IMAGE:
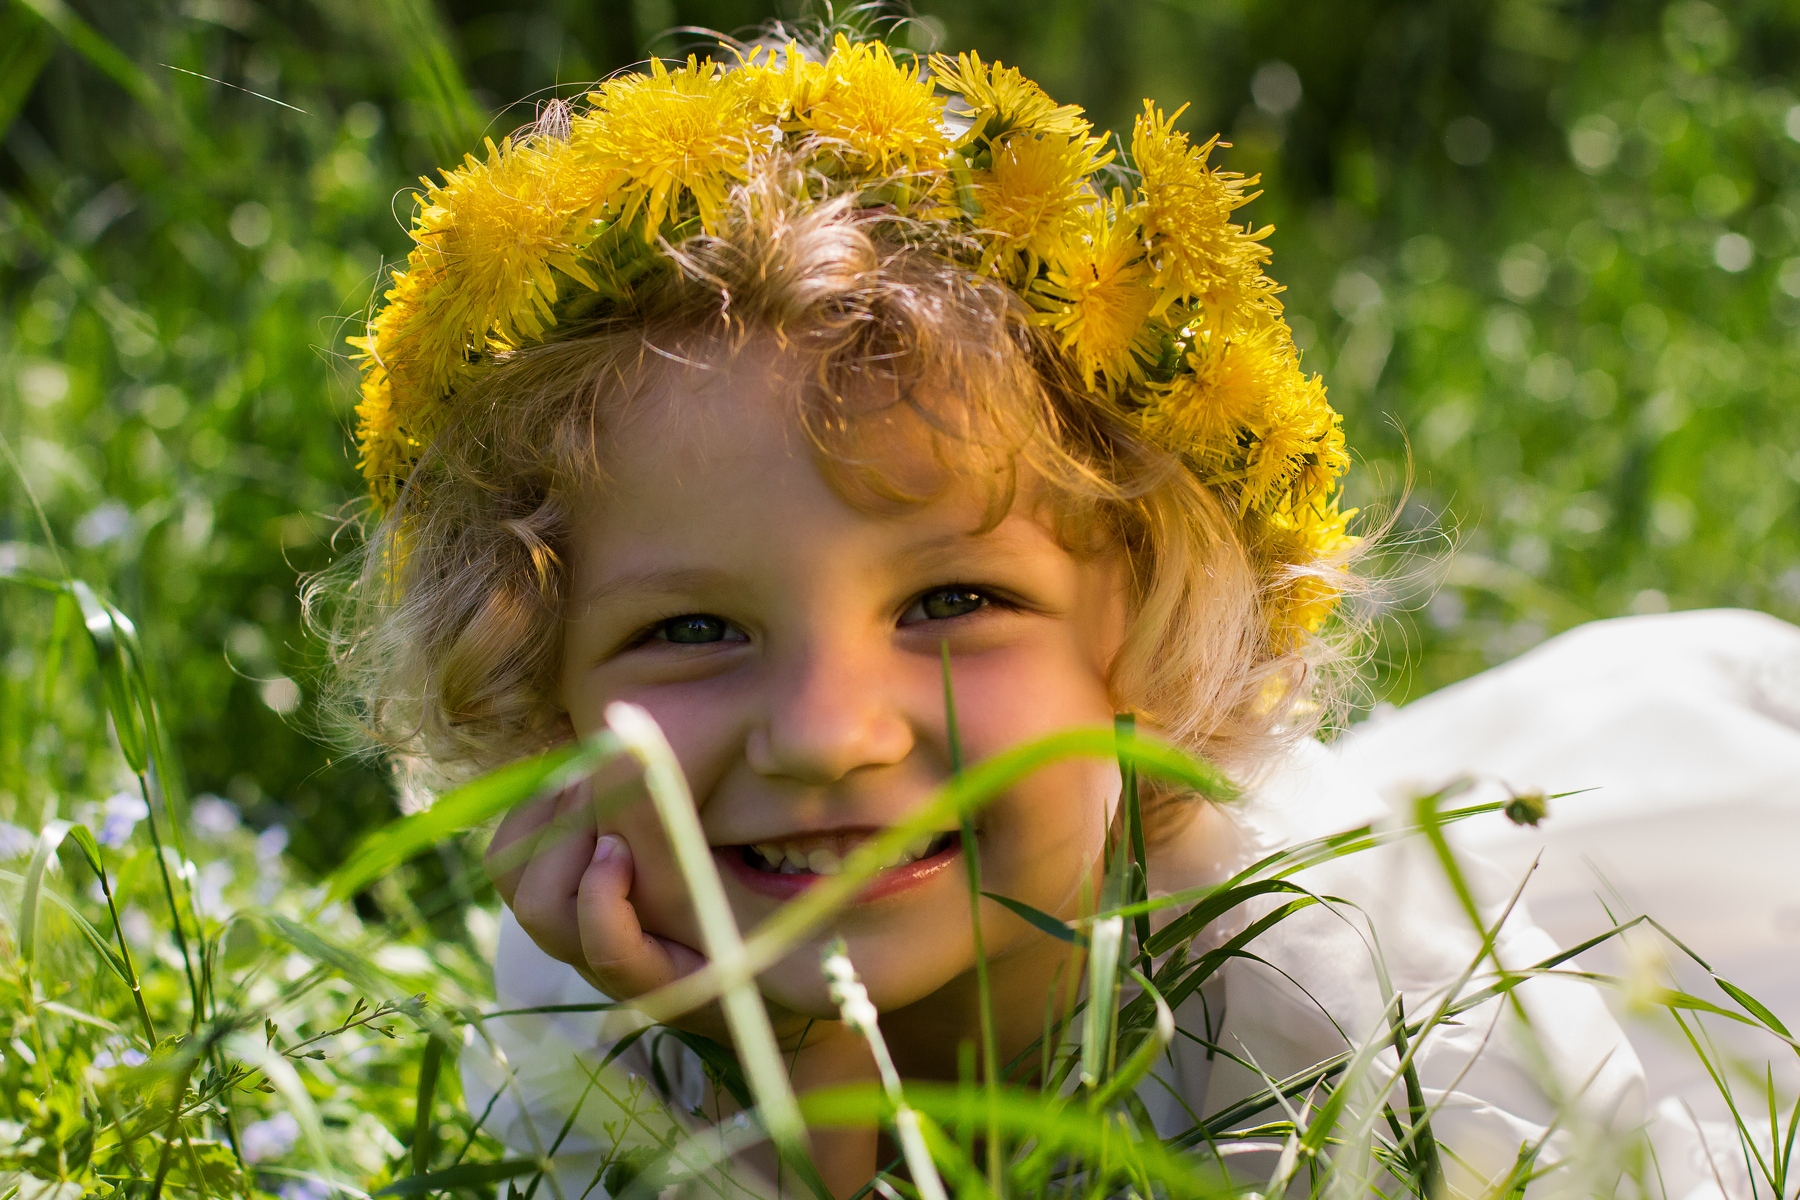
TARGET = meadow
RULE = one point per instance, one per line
(1547, 257)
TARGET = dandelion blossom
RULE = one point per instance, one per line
(1201, 254)
(1035, 187)
(882, 117)
(669, 134)
(1003, 100)
(1096, 297)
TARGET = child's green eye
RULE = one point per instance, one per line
(941, 604)
(693, 629)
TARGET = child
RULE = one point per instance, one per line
(750, 395)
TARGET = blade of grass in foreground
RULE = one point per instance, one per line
(464, 808)
(777, 936)
(751, 1031)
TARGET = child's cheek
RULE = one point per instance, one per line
(657, 892)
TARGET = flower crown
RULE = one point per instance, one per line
(1155, 297)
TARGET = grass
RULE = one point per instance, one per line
(182, 1013)
(191, 1007)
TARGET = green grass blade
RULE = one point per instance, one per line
(1755, 1007)
(1162, 1032)
(49, 838)
(464, 808)
(430, 1063)
(1043, 1117)
(1039, 919)
(87, 42)
(94, 936)
(751, 1031)
(109, 653)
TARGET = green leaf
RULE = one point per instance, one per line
(1039, 919)
(110, 650)
(1756, 1007)
(463, 1178)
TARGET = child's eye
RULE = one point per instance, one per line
(694, 629)
(941, 604)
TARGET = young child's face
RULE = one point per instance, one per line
(788, 642)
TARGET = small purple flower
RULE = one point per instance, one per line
(306, 1188)
(269, 1139)
(120, 815)
(271, 842)
(213, 816)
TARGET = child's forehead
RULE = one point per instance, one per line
(713, 408)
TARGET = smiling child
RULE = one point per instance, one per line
(741, 395)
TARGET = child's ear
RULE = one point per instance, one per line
(562, 728)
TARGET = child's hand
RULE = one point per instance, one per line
(569, 886)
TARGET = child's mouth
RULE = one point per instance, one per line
(786, 867)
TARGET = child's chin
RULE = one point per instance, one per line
(797, 985)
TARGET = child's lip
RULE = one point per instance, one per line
(889, 882)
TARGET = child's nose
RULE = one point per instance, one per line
(826, 716)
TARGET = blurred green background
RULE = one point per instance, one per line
(1547, 256)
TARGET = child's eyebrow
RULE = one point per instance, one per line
(658, 582)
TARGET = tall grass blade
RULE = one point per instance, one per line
(87, 42)
(108, 641)
(1105, 938)
(753, 1035)
(430, 1063)
(859, 1015)
(990, 1042)
(121, 964)
(1162, 1032)
(1055, 1126)
(49, 838)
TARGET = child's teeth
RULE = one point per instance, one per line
(788, 858)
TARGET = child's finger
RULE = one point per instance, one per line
(544, 898)
(517, 839)
(620, 957)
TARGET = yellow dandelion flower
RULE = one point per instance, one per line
(1298, 448)
(1208, 410)
(883, 118)
(489, 240)
(1035, 187)
(780, 85)
(1096, 297)
(1003, 100)
(661, 136)
(1201, 254)
(1296, 543)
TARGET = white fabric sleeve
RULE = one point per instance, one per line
(537, 1076)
